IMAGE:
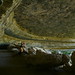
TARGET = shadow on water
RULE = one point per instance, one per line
(4, 45)
(29, 71)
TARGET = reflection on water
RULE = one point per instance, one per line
(15, 65)
(25, 71)
(11, 64)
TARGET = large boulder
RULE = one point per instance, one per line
(73, 59)
(46, 60)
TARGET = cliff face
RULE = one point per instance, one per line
(22, 19)
(7, 21)
(4, 6)
(47, 17)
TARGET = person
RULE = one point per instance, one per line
(24, 48)
(21, 48)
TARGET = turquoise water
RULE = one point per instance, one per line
(63, 51)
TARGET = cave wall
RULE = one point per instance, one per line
(37, 18)
(6, 17)
(52, 18)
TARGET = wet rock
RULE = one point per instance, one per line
(46, 60)
(73, 59)
(65, 59)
